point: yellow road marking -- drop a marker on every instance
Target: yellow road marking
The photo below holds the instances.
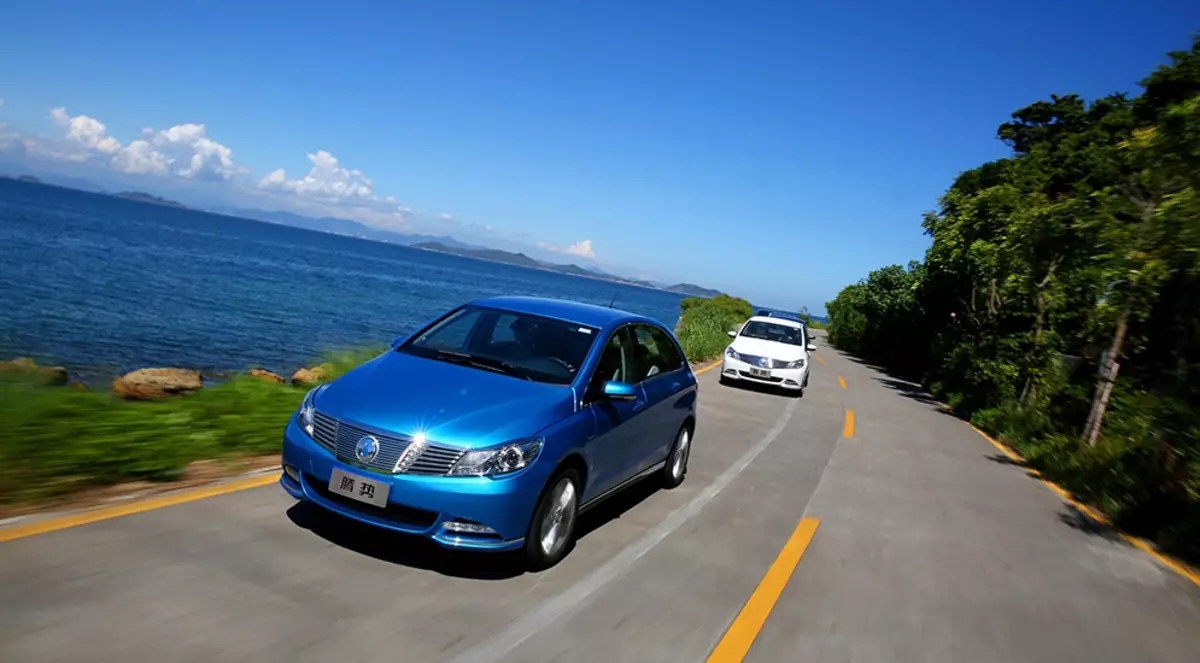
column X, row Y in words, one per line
column 707, row 367
column 745, row 627
column 820, row 359
column 1137, row 542
column 848, row 426
column 841, row 382
column 130, row 508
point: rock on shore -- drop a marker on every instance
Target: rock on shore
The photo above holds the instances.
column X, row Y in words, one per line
column 310, row 375
column 154, row 383
column 266, row 376
column 28, row 368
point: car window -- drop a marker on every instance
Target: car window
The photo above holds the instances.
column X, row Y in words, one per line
column 770, row 331
column 672, row 358
column 616, row 362
column 527, row 346
column 653, row 353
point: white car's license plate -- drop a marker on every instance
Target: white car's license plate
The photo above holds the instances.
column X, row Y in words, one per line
column 359, row 488
column 760, row 373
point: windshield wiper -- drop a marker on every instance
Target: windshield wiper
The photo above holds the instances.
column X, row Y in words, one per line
column 481, row 361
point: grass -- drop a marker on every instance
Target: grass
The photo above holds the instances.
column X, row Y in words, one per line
column 59, row 441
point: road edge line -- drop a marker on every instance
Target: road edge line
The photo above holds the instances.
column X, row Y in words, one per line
column 75, row 519
column 743, row 631
column 1177, row 566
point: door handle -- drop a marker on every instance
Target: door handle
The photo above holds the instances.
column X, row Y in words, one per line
column 639, row 405
column 675, row 386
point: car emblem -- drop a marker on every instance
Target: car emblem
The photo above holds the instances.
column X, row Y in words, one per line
column 765, row 362
column 367, row 448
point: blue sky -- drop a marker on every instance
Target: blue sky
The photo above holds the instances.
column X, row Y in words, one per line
column 774, row 150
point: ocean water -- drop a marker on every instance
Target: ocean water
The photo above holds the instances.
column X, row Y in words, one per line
column 103, row 285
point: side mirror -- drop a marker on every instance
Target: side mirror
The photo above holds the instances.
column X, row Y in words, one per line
column 812, row 347
column 732, row 334
column 619, row 391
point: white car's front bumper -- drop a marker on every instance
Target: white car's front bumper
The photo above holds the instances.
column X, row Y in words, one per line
column 786, row 378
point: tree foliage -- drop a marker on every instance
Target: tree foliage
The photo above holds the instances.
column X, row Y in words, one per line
column 1057, row 278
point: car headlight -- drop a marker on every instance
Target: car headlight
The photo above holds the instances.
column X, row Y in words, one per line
column 497, row 460
column 799, row 363
column 729, row 352
column 307, row 409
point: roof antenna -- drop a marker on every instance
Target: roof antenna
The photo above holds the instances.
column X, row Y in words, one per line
column 614, row 299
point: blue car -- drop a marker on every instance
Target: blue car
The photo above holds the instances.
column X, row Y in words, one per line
column 496, row 425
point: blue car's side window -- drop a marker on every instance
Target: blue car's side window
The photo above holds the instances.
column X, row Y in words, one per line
column 654, row 354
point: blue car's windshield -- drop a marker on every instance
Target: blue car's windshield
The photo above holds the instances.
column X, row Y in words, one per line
column 525, row 346
column 773, row 332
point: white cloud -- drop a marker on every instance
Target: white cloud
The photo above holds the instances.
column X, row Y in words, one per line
column 184, row 150
column 140, row 157
column 327, row 181
column 198, row 156
column 582, row 248
column 445, row 217
column 1, row 101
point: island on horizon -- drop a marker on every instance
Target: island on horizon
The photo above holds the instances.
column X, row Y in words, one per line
column 142, row 197
column 522, row 260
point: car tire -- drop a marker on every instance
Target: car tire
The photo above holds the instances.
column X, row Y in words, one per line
column 675, row 471
column 551, row 532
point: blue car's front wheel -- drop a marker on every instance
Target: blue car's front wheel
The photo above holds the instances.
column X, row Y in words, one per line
column 552, row 529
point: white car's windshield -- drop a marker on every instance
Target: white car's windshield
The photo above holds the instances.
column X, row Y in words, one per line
column 772, row 332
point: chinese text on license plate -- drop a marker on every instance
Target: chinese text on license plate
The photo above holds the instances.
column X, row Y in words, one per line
column 358, row 488
column 760, row 373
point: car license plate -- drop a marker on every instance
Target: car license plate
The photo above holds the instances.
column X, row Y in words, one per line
column 359, row 488
column 760, row 373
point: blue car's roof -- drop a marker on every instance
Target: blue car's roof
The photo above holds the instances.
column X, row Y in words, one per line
column 584, row 314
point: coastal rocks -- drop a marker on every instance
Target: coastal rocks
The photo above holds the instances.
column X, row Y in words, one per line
column 310, row 375
column 154, row 383
column 24, row 367
column 266, row 376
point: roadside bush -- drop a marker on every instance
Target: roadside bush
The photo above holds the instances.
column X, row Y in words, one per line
column 59, row 441
column 704, row 325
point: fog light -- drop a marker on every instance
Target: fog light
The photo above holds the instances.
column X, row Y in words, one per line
column 292, row 473
column 467, row 528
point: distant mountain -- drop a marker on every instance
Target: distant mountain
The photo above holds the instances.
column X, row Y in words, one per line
column 29, row 178
column 693, row 290
column 522, row 260
column 142, row 197
column 337, row 226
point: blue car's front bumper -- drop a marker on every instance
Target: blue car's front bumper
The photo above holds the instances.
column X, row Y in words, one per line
column 420, row 505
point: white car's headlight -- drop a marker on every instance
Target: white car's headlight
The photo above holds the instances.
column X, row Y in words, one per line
column 799, row 363
column 307, row 409
column 731, row 353
column 497, row 460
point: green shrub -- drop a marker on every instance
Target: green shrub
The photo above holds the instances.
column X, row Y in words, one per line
column 704, row 325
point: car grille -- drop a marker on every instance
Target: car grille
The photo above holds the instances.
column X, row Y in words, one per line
column 761, row 362
column 342, row 438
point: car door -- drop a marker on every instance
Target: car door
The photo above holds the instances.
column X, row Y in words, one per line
column 618, row 423
column 660, row 367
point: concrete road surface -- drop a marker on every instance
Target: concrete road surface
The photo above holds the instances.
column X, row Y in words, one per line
column 928, row 548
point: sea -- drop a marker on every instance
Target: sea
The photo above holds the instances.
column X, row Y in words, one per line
column 103, row 285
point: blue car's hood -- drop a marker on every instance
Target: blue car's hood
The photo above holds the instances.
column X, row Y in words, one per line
column 450, row 403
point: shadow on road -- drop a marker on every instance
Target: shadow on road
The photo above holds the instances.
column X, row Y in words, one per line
column 420, row 553
column 768, row 390
column 403, row 549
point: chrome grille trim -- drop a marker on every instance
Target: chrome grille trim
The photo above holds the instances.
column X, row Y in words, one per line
column 436, row 459
column 341, row 438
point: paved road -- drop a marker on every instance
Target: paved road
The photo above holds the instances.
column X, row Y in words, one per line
column 928, row 549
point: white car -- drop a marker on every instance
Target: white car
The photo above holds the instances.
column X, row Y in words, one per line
column 769, row 351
